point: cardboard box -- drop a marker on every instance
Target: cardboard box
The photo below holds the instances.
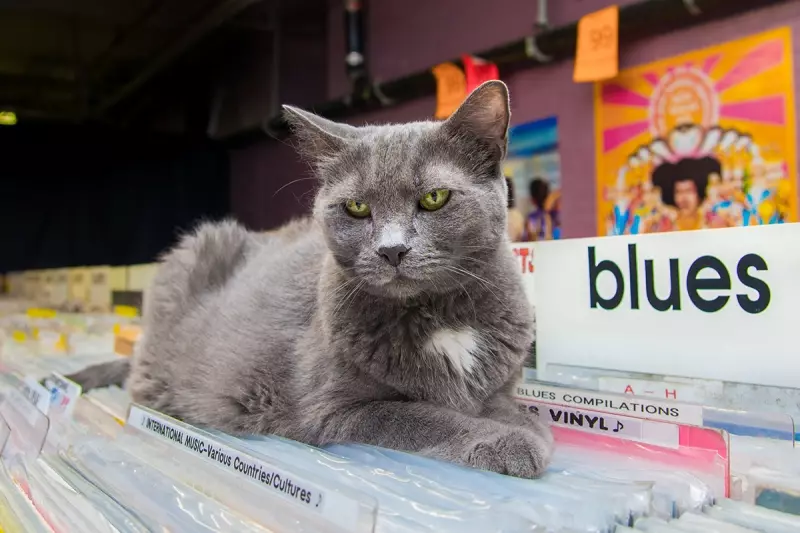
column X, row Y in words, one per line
column 59, row 291
column 99, row 289
column 78, row 298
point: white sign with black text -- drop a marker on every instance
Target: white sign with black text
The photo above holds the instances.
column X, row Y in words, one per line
column 36, row 393
column 523, row 255
column 716, row 304
column 334, row 506
column 64, row 393
column 698, row 392
column 637, row 407
column 606, row 424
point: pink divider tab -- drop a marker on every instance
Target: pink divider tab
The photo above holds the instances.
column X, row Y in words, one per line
column 698, row 449
column 710, row 439
column 705, row 438
column 698, row 459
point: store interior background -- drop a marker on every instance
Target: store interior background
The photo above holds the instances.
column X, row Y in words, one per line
column 79, row 195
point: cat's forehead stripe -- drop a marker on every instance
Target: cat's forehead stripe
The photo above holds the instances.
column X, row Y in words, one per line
column 445, row 171
column 371, row 179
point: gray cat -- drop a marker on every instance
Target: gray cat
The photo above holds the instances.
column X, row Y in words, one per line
column 394, row 317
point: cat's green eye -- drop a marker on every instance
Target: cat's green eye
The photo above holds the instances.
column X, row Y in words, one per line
column 434, row 200
column 357, row 209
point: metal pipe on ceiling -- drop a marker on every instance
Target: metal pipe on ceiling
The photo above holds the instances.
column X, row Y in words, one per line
column 355, row 56
column 275, row 63
column 222, row 12
column 637, row 21
column 542, row 20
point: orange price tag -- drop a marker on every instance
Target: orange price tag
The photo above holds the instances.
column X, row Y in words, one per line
column 451, row 89
column 597, row 53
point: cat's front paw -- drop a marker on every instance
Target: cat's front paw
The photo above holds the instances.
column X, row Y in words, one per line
column 516, row 451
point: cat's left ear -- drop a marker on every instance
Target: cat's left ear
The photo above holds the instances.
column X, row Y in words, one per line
column 320, row 139
column 485, row 114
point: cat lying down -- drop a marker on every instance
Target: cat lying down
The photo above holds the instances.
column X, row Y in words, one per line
column 395, row 316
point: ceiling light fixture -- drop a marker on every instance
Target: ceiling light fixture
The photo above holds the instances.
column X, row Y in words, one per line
column 8, row 118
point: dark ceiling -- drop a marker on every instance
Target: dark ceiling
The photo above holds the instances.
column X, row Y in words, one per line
column 104, row 60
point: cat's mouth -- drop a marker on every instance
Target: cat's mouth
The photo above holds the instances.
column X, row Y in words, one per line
column 404, row 283
column 398, row 280
column 398, row 277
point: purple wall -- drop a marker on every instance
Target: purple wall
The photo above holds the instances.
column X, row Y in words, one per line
column 264, row 189
column 406, row 36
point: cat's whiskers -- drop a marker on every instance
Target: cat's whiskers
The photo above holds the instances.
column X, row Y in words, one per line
column 484, row 282
column 355, row 291
column 349, row 295
column 337, row 291
column 476, row 260
column 292, row 183
column 303, row 196
column 477, row 247
column 461, row 270
column 342, row 286
column 331, row 294
column 466, row 292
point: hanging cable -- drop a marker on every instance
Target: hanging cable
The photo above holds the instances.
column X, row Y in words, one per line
column 355, row 56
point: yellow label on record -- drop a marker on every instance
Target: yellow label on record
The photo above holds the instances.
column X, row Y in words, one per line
column 35, row 312
column 61, row 344
column 126, row 311
column 19, row 336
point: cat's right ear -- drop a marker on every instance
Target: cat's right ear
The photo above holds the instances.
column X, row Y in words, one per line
column 485, row 114
column 320, row 139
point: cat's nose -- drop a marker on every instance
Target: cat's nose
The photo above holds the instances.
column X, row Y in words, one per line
column 394, row 253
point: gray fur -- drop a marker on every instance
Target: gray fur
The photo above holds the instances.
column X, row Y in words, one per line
column 103, row 375
column 309, row 333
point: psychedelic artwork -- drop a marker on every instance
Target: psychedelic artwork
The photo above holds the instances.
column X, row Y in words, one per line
column 702, row 140
column 533, row 173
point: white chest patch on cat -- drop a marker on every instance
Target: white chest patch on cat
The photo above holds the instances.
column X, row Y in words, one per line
column 458, row 345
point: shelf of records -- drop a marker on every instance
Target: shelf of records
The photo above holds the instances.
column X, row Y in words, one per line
column 624, row 461
column 80, row 289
